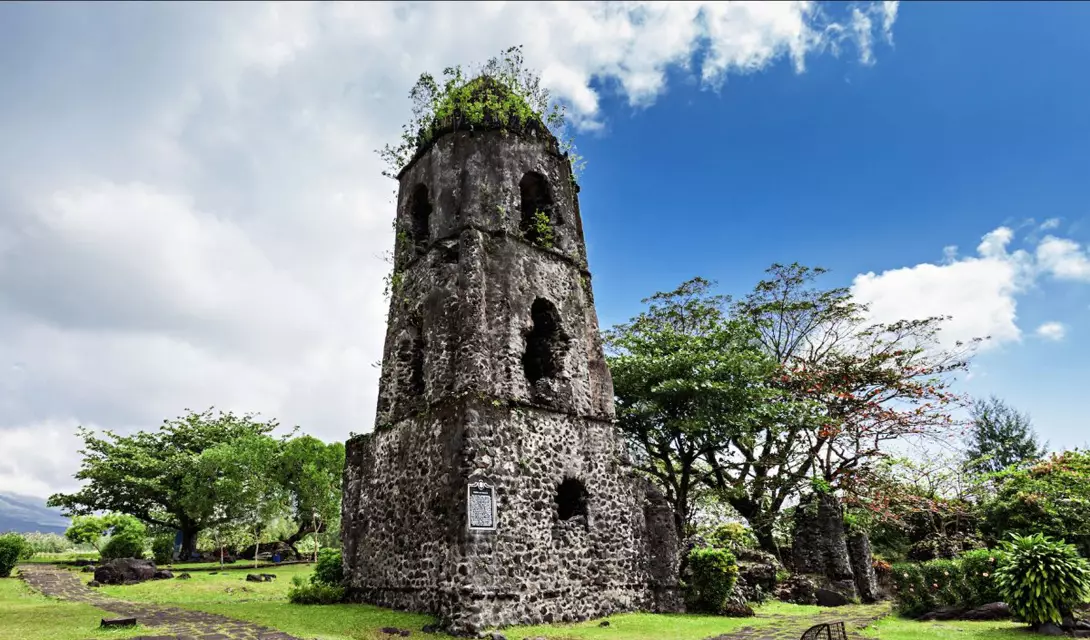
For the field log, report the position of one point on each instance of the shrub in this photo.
(12, 549)
(712, 576)
(162, 548)
(944, 580)
(122, 546)
(733, 536)
(978, 570)
(914, 596)
(1041, 579)
(303, 592)
(328, 570)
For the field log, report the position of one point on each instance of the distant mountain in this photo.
(25, 514)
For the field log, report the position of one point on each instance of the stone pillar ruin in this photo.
(819, 547)
(494, 489)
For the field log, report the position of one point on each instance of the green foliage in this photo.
(690, 384)
(978, 569)
(1042, 579)
(732, 536)
(1051, 497)
(12, 549)
(329, 569)
(87, 530)
(148, 474)
(541, 230)
(303, 592)
(968, 581)
(162, 548)
(713, 574)
(1000, 437)
(504, 95)
(47, 542)
(941, 546)
(127, 537)
(309, 471)
(913, 593)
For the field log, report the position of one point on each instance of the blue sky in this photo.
(192, 212)
(977, 117)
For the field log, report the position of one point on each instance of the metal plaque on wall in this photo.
(482, 507)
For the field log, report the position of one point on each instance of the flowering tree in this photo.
(871, 383)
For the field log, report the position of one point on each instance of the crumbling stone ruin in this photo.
(494, 489)
(822, 548)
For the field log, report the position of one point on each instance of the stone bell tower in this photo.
(494, 489)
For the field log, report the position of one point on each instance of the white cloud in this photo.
(1051, 223)
(980, 294)
(1064, 259)
(191, 209)
(1052, 331)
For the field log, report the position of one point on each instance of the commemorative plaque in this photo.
(482, 507)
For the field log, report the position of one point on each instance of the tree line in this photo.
(748, 404)
(211, 473)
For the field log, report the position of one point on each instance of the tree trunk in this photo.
(189, 543)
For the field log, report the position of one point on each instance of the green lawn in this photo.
(893, 628)
(26, 615)
(227, 593)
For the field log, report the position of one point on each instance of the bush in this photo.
(732, 536)
(313, 592)
(122, 546)
(162, 548)
(1041, 579)
(946, 547)
(978, 570)
(914, 597)
(127, 536)
(328, 570)
(12, 549)
(713, 573)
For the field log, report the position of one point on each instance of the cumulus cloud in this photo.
(1054, 331)
(192, 212)
(979, 293)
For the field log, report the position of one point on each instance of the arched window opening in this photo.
(545, 344)
(536, 205)
(571, 499)
(420, 213)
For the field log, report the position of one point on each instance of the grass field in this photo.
(28, 616)
(25, 615)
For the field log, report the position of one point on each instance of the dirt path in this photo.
(175, 623)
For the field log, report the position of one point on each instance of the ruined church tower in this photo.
(494, 489)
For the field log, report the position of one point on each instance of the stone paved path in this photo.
(174, 623)
(792, 627)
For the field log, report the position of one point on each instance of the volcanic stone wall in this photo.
(493, 373)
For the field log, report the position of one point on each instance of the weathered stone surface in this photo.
(493, 372)
(829, 598)
(1049, 629)
(820, 546)
(991, 611)
(797, 589)
(163, 574)
(862, 565)
(125, 571)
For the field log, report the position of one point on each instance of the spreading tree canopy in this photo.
(147, 474)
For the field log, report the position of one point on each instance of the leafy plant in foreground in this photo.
(12, 549)
(1042, 579)
(714, 572)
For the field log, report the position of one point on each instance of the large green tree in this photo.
(310, 472)
(1050, 497)
(690, 383)
(1000, 436)
(145, 474)
(871, 382)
